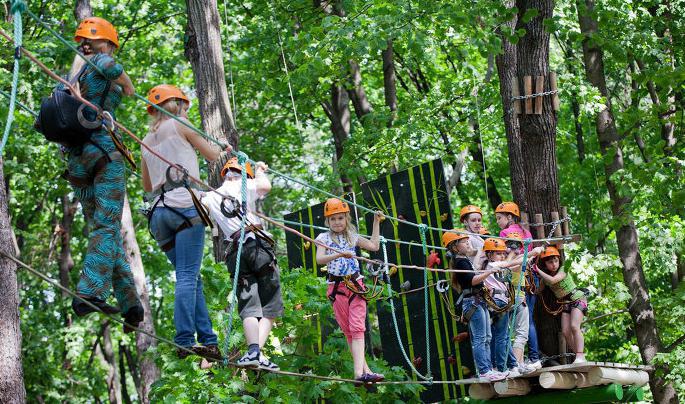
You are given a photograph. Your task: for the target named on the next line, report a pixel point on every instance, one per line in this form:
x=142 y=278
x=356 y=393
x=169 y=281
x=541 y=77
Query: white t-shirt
x=232 y=188
x=477 y=244
x=168 y=142
x=340 y=266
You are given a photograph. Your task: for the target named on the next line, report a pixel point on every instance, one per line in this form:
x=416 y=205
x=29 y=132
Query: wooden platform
x=586 y=367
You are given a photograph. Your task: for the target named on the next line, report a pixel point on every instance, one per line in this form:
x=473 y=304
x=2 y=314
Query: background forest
x=333 y=115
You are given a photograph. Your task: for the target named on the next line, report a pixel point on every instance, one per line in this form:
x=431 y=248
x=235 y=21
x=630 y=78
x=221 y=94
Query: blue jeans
x=533 y=354
x=190 y=309
x=479 y=325
x=501 y=342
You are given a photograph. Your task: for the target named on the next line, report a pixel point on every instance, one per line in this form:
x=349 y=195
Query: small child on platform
x=549 y=268
x=349 y=308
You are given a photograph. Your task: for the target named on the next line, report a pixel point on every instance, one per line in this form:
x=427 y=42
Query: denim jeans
x=190 y=309
x=479 y=325
x=533 y=354
x=501 y=342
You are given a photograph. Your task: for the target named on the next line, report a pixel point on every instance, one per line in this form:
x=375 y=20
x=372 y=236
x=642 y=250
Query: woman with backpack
x=96 y=173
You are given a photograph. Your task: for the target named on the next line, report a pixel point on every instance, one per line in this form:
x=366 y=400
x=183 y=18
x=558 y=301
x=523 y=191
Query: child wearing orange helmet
x=349 y=309
x=260 y=300
x=175 y=220
x=475 y=311
x=472 y=218
x=508 y=217
x=549 y=268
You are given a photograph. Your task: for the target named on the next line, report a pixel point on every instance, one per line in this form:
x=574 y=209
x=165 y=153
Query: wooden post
x=528 y=90
x=582 y=380
x=622 y=376
x=558 y=380
x=524 y=220
x=539 y=88
x=557 y=230
x=516 y=93
x=482 y=391
x=539 y=229
x=553 y=87
x=512 y=387
x=565 y=227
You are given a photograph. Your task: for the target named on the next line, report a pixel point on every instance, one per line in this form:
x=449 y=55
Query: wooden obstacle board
x=419 y=195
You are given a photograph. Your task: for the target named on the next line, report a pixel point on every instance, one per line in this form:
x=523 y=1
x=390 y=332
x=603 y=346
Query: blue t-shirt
x=340 y=266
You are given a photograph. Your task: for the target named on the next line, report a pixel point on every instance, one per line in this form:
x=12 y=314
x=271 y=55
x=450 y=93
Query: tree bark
x=389 y=81
x=338 y=112
x=640 y=307
x=108 y=358
x=122 y=371
x=506 y=70
x=82 y=10
x=203 y=51
x=149 y=373
x=362 y=106
x=11 y=372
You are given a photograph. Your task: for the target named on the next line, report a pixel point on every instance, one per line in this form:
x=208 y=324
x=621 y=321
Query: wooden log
x=516 y=93
x=528 y=90
x=539 y=88
x=566 y=226
x=597 y=394
x=556 y=103
x=633 y=394
x=557 y=230
x=524 y=221
x=512 y=387
x=623 y=376
x=539 y=229
x=582 y=380
x=482 y=391
x=558 y=380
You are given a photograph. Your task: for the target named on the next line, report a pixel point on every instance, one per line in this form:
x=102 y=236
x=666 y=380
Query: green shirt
x=562 y=288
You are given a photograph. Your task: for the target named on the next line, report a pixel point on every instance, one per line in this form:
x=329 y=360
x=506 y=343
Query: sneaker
x=525 y=369
x=210 y=352
x=535 y=365
x=183 y=353
x=377 y=377
x=249 y=360
x=493 y=376
x=266 y=364
x=132 y=318
x=364 y=379
x=82 y=308
x=513 y=372
x=580 y=358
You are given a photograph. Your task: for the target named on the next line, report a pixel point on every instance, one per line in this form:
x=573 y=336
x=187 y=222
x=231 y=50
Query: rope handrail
x=223 y=145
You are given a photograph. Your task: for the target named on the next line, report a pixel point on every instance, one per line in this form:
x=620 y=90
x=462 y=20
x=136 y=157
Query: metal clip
x=442 y=286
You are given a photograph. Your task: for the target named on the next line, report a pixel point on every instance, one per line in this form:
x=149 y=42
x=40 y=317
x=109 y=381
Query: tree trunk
x=362 y=106
x=66 y=262
x=389 y=81
x=108 y=358
x=11 y=372
x=122 y=371
x=338 y=112
x=476 y=149
x=640 y=307
x=82 y=10
x=203 y=51
x=506 y=70
x=149 y=373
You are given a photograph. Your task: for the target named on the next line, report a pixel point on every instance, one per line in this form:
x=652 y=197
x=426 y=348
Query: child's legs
x=500 y=340
x=532 y=332
x=478 y=326
x=357 y=327
x=578 y=340
x=566 y=329
x=251 y=330
x=521 y=331
x=265 y=325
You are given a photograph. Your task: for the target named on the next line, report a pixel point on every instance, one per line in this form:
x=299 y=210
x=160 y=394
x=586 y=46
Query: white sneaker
x=535 y=365
x=513 y=372
x=580 y=358
x=493 y=376
x=525 y=369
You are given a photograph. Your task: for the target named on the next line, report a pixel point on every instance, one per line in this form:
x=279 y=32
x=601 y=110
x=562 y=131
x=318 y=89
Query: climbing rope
x=426 y=378
x=242 y=158
x=18 y=6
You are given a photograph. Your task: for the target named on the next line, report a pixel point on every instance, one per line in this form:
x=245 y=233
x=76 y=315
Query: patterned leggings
x=102 y=199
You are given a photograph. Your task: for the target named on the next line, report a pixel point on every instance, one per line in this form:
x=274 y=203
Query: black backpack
x=61 y=118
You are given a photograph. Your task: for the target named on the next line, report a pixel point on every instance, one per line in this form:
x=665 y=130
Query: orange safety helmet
x=232 y=163
x=508 y=207
x=335 y=205
x=469 y=209
x=494 y=244
x=96 y=28
x=448 y=237
x=163 y=92
x=550 y=251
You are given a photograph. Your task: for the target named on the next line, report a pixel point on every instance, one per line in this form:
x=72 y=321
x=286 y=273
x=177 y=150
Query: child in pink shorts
x=349 y=308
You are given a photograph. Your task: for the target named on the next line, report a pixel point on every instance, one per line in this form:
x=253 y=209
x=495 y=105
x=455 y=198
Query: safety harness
x=169 y=185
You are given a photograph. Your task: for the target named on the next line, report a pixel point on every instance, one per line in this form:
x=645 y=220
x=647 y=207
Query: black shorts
x=580 y=304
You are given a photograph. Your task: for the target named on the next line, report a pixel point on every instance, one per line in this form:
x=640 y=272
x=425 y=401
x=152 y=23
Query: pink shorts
x=350 y=311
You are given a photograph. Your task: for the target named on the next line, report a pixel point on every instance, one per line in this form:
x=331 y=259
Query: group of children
x=495 y=298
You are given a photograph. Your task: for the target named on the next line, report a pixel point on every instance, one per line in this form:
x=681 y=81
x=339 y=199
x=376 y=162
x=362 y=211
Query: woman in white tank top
x=174 y=221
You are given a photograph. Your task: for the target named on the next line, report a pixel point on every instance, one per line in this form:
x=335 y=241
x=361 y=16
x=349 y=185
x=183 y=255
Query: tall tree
x=11 y=373
x=640 y=307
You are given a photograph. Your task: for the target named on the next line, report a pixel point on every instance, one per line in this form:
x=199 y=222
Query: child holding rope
x=472 y=218
x=475 y=310
x=344 y=278
x=549 y=268
x=259 y=286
